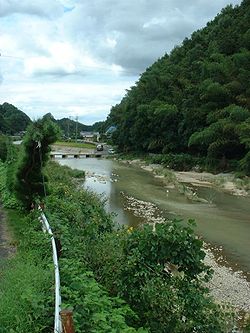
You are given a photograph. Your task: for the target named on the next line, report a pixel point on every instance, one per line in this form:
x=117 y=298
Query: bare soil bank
x=6 y=247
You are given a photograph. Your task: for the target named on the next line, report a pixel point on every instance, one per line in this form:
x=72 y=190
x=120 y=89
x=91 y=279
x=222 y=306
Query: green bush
x=8 y=198
x=165 y=301
x=3 y=148
x=94 y=310
x=179 y=162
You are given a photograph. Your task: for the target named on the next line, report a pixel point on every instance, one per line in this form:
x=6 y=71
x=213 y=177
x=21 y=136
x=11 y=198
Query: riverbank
x=226 y=182
x=123 y=181
x=229 y=285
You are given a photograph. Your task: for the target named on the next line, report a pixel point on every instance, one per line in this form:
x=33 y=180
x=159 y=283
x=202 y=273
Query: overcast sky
x=77 y=57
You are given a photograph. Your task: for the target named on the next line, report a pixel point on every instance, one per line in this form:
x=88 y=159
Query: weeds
x=26 y=282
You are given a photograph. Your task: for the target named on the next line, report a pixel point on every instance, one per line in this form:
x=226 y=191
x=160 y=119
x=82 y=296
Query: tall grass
x=24 y=297
x=26 y=279
x=75 y=144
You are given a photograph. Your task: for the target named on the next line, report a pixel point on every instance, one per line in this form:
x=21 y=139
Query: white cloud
x=38 y=8
x=71 y=56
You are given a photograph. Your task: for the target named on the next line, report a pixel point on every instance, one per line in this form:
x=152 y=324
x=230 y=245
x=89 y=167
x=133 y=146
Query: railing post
x=67 y=321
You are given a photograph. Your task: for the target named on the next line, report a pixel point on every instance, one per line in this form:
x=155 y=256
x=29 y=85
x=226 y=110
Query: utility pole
x=76 y=126
x=68 y=127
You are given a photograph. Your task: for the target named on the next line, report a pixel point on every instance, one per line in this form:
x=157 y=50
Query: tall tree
x=30 y=181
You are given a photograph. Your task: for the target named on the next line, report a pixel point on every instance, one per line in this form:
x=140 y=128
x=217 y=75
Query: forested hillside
x=195 y=100
x=69 y=126
x=12 y=120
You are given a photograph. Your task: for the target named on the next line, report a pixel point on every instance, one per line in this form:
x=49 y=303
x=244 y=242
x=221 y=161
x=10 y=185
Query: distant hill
x=196 y=100
x=12 y=120
x=69 y=126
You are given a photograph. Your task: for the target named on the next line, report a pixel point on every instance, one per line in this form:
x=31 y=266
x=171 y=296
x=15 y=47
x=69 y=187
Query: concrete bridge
x=58 y=155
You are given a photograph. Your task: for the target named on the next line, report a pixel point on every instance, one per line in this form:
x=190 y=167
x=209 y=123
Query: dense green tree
x=12 y=120
x=196 y=99
x=30 y=181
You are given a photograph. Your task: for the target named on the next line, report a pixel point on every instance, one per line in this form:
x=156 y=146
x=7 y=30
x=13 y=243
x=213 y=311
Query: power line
x=8 y=56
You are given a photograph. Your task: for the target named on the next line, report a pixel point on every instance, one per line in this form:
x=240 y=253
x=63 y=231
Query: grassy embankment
x=27 y=283
x=79 y=145
x=26 y=279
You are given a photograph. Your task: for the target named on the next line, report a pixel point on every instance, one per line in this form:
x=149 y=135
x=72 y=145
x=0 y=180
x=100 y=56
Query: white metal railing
x=46 y=228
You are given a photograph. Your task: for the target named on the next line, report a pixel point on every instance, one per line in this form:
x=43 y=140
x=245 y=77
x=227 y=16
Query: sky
x=76 y=58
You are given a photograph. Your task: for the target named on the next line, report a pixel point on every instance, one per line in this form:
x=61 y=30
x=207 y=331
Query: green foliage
x=8 y=199
x=196 y=100
x=99 y=126
x=78 y=218
x=26 y=283
x=12 y=120
x=29 y=180
x=94 y=310
x=181 y=162
x=115 y=280
x=227 y=137
x=171 y=300
x=24 y=292
x=3 y=147
x=245 y=164
x=74 y=173
x=158 y=273
x=68 y=126
x=75 y=144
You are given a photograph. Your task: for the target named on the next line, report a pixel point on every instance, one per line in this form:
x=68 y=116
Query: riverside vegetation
x=109 y=290
x=115 y=279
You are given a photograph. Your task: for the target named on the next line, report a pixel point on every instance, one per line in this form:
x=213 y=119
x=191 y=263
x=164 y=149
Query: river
x=222 y=222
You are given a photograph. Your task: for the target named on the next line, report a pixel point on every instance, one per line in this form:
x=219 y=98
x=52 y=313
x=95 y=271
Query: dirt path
x=6 y=248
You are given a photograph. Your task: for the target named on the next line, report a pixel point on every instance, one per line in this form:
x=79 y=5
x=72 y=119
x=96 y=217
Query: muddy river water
x=223 y=221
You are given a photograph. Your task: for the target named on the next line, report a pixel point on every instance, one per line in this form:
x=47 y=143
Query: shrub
x=179 y=162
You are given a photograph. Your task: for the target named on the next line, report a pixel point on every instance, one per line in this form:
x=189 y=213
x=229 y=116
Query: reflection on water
x=224 y=220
